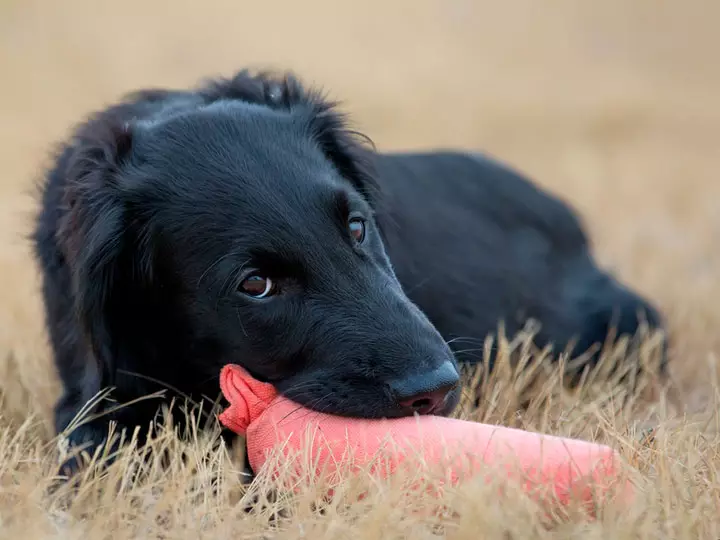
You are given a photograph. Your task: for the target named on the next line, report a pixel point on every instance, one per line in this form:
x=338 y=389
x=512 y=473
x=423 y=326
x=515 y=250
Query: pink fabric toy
x=571 y=468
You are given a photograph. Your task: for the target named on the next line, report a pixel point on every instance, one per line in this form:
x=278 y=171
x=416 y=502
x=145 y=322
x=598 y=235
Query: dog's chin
x=365 y=405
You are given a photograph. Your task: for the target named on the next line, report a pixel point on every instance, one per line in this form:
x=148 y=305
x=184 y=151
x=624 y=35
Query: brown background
x=611 y=104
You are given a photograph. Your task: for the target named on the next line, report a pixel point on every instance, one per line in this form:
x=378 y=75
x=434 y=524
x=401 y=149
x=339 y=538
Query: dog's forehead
x=232 y=149
x=230 y=167
x=227 y=138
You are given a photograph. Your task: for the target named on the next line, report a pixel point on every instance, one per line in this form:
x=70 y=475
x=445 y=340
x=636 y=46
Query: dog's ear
x=350 y=151
x=93 y=229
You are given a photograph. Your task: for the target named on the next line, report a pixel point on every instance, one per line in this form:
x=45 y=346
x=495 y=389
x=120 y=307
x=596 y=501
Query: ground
x=611 y=105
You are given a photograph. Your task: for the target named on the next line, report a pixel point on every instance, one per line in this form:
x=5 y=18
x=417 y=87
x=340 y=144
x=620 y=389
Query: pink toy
x=269 y=421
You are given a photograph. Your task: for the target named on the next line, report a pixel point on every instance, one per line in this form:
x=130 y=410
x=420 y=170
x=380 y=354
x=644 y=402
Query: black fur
x=158 y=206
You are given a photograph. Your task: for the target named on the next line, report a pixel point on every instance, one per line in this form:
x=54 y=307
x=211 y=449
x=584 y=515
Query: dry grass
x=612 y=104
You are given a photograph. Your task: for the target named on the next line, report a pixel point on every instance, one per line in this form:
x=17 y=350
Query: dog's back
x=475 y=243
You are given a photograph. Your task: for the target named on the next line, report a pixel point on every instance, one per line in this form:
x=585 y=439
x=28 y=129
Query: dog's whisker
x=229 y=277
x=417 y=286
x=239 y=319
x=234 y=275
x=464 y=338
x=304 y=385
x=310 y=409
x=465 y=351
x=210 y=267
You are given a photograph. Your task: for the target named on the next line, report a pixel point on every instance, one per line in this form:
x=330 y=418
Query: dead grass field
x=613 y=104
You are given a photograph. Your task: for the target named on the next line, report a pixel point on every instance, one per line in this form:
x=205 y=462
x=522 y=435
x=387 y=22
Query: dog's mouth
x=367 y=400
x=256 y=375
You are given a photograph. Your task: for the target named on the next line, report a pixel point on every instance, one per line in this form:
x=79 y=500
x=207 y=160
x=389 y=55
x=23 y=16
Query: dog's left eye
x=357 y=229
x=258 y=286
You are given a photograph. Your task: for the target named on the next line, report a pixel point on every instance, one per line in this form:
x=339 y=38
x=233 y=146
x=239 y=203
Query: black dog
x=243 y=222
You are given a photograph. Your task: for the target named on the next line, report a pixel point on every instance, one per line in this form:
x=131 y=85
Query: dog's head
x=237 y=225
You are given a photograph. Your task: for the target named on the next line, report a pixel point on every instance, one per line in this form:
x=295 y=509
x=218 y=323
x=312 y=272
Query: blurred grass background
x=611 y=104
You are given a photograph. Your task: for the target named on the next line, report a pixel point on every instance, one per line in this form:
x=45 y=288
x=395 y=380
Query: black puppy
x=243 y=222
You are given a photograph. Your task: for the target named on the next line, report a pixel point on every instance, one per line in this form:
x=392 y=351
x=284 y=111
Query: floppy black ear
x=93 y=231
x=350 y=151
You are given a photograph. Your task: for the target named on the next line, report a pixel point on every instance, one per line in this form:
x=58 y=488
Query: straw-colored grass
x=613 y=105
x=197 y=494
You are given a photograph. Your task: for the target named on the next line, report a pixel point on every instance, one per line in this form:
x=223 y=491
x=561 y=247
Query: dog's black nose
x=427 y=402
x=426 y=393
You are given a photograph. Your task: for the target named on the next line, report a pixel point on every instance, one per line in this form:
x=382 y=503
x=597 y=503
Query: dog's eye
x=357 y=229
x=258 y=286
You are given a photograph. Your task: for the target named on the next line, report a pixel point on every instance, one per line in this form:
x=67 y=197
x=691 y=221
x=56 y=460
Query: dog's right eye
x=257 y=286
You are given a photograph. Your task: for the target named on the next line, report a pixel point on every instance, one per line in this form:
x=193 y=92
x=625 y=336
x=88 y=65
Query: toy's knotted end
x=248 y=398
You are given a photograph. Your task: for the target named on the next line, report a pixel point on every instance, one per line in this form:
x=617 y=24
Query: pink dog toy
x=269 y=421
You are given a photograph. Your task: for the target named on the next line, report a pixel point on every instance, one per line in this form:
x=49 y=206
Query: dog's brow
x=342 y=202
x=345 y=201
